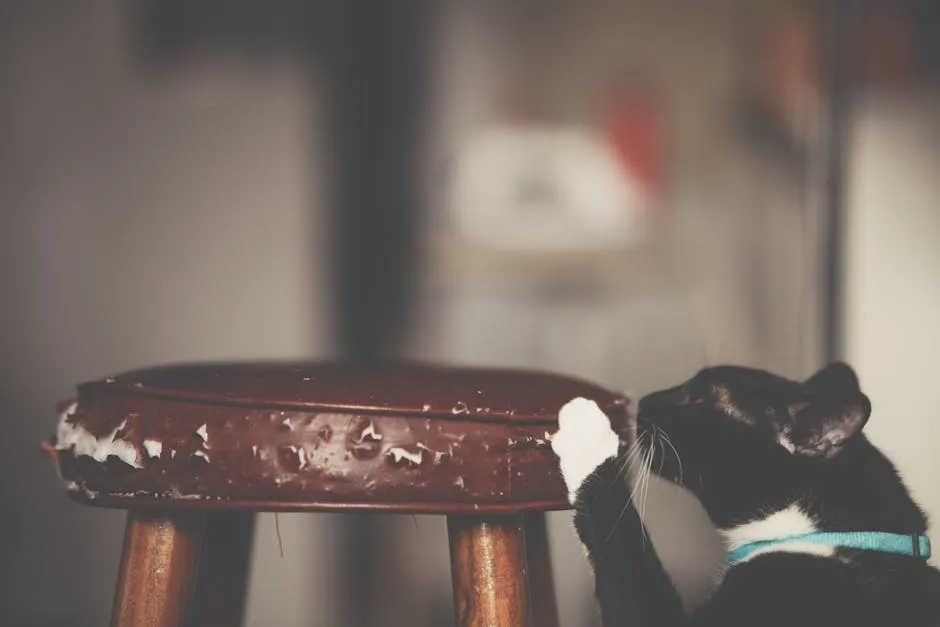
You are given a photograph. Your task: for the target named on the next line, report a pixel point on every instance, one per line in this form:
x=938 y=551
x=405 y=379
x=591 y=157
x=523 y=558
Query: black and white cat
x=820 y=529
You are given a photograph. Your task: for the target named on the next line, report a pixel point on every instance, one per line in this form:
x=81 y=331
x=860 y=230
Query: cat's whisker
x=640 y=474
x=632 y=455
x=649 y=475
x=644 y=484
x=637 y=472
x=676 y=453
x=627 y=459
x=639 y=448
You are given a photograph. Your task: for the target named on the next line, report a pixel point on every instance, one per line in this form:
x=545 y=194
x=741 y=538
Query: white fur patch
x=583 y=442
x=784 y=523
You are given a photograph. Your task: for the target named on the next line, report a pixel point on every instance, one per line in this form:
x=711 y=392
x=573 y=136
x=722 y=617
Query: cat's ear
x=836 y=378
x=835 y=411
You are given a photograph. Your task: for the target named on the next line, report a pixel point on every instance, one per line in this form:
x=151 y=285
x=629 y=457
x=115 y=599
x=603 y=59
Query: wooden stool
x=193 y=451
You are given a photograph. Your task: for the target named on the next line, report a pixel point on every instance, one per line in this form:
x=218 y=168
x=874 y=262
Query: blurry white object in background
x=544 y=188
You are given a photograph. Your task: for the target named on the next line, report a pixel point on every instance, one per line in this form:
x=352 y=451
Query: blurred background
x=624 y=191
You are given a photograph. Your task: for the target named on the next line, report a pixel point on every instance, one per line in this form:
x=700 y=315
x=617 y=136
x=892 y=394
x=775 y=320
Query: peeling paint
x=287 y=424
x=154 y=448
x=203 y=434
x=369 y=433
x=459 y=408
x=529 y=441
x=174 y=493
x=460 y=483
x=426 y=407
x=439 y=456
x=201 y=455
x=79 y=486
x=85 y=444
x=398 y=454
x=364 y=440
x=292 y=457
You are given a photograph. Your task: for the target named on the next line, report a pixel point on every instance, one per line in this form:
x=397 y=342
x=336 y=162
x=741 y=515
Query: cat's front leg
x=632 y=588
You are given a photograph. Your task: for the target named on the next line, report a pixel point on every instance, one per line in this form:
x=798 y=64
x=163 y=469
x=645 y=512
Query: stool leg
x=157 y=568
x=539 y=562
x=488 y=568
x=224 y=563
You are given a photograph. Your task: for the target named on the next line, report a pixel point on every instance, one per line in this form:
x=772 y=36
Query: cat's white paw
x=583 y=442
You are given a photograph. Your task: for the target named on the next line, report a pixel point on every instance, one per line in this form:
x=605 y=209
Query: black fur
x=727 y=424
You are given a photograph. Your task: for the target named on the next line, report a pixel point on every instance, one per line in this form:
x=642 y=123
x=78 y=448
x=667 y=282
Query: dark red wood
x=158 y=564
x=321 y=437
x=489 y=571
x=398 y=388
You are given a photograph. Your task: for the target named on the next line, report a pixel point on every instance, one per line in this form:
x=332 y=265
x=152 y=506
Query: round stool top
x=320 y=436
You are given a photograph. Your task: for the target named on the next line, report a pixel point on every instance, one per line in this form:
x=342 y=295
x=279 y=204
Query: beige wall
x=892 y=265
x=144 y=219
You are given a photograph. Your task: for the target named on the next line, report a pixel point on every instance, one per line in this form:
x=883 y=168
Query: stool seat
x=327 y=436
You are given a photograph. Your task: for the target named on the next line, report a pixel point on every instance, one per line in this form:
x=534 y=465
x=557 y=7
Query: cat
x=770 y=459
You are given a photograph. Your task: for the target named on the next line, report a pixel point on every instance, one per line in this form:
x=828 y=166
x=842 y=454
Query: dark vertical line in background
x=376 y=81
x=374 y=59
x=839 y=21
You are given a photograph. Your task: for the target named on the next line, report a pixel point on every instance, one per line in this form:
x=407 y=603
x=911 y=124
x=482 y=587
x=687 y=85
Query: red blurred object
x=634 y=126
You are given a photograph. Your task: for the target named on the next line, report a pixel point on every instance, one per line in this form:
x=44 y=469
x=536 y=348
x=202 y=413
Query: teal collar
x=896 y=543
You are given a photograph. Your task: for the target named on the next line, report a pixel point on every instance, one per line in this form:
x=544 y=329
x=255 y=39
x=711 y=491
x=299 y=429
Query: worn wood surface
x=334 y=436
x=224 y=564
x=158 y=565
x=488 y=566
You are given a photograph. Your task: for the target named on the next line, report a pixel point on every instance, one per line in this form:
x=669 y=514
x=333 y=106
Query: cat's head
x=742 y=439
